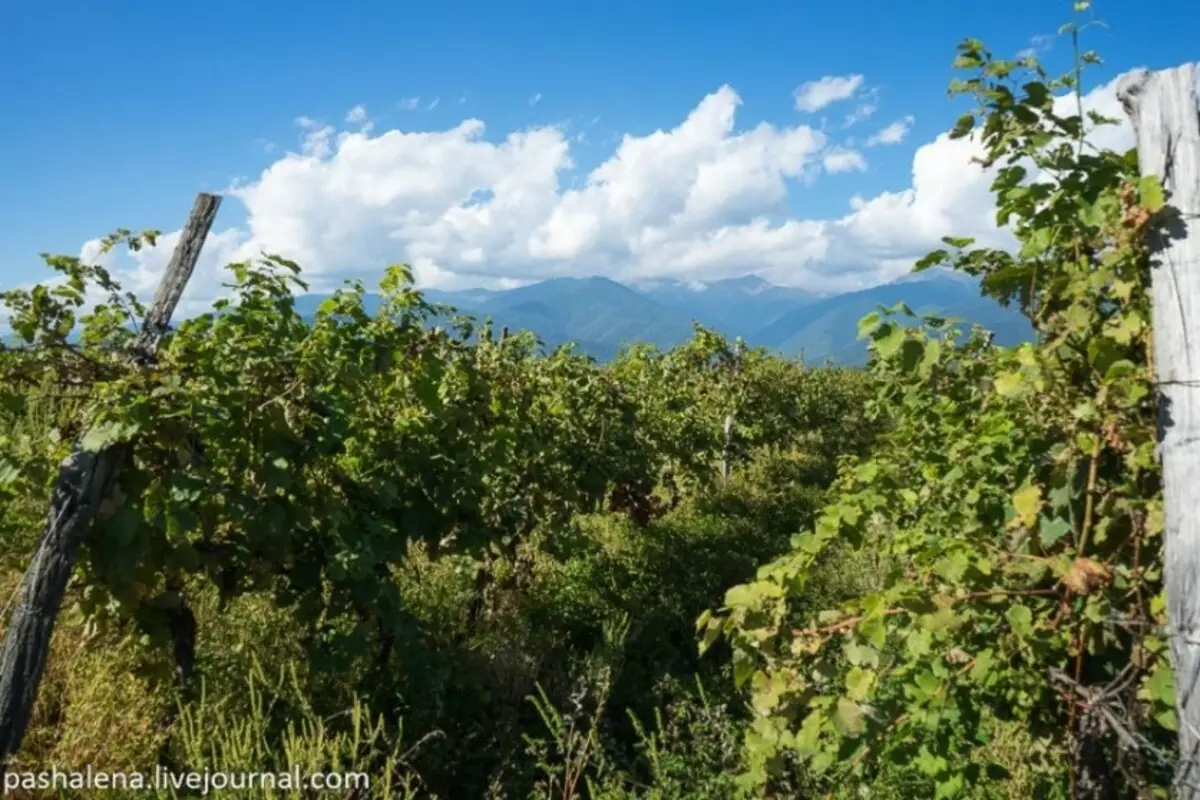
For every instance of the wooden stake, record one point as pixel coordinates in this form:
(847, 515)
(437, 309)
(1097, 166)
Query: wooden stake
(84, 480)
(1165, 109)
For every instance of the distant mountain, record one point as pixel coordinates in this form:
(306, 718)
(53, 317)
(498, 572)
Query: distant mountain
(828, 328)
(601, 316)
(736, 307)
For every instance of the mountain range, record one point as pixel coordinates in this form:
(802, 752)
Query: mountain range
(601, 315)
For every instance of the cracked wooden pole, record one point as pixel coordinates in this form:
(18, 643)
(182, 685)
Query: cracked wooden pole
(84, 480)
(1165, 109)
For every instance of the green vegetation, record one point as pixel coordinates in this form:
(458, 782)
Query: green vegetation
(1014, 503)
(368, 543)
(371, 511)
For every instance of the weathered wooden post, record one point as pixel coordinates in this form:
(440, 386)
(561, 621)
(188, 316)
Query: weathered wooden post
(84, 480)
(1165, 109)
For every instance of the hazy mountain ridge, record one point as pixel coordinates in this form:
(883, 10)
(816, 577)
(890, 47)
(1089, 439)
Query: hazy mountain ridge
(601, 315)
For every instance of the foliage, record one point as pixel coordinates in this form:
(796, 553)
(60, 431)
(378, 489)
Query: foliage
(425, 522)
(1014, 500)
(475, 568)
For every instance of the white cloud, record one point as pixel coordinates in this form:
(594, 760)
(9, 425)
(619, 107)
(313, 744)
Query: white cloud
(868, 104)
(433, 104)
(537, 98)
(863, 111)
(892, 134)
(949, 196)
(317, 136)
(840, 159)
(409, 103)
(356, 115)
(704, 200)
(1038, 45)
(815, 95)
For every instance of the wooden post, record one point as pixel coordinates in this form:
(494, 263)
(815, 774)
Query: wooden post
(1165, 109)
(84, 480)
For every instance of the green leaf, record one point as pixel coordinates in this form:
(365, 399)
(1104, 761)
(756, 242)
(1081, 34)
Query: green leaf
(1119, 369)
(1020, 618)
(860, 654)
(809, 736)
(1050, 531)
(746, 594)
(1125, 327)
(951, 786)
(1027, 502)
(953, 566)
(982, 666)
(1010, 384)
(848, 717)
(1037, 242)
(932, 353)
(743, 667)
(1150, 191)
(912, 352)
(1159, 686)
(931, 259)
(859, 682)
(964, 125)
(9, 471)
(874, 631)
(1037, 93)
(868, 324)
(888, 338)
(107, 434)
(919, 641)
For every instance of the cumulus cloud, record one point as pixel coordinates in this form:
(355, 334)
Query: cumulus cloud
(892, 134)
(316, 140)
(356, 115)
(950, 195)
(840, 159)
(815, 95)
(704, 200)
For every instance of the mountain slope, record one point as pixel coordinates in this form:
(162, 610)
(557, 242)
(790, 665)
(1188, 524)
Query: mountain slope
(596, 313)
(736, 307)
(601, 316)
(828, 328)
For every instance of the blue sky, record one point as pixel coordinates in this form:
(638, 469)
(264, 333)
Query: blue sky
(118, 111)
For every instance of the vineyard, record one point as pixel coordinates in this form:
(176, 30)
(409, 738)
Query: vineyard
(432, 554)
